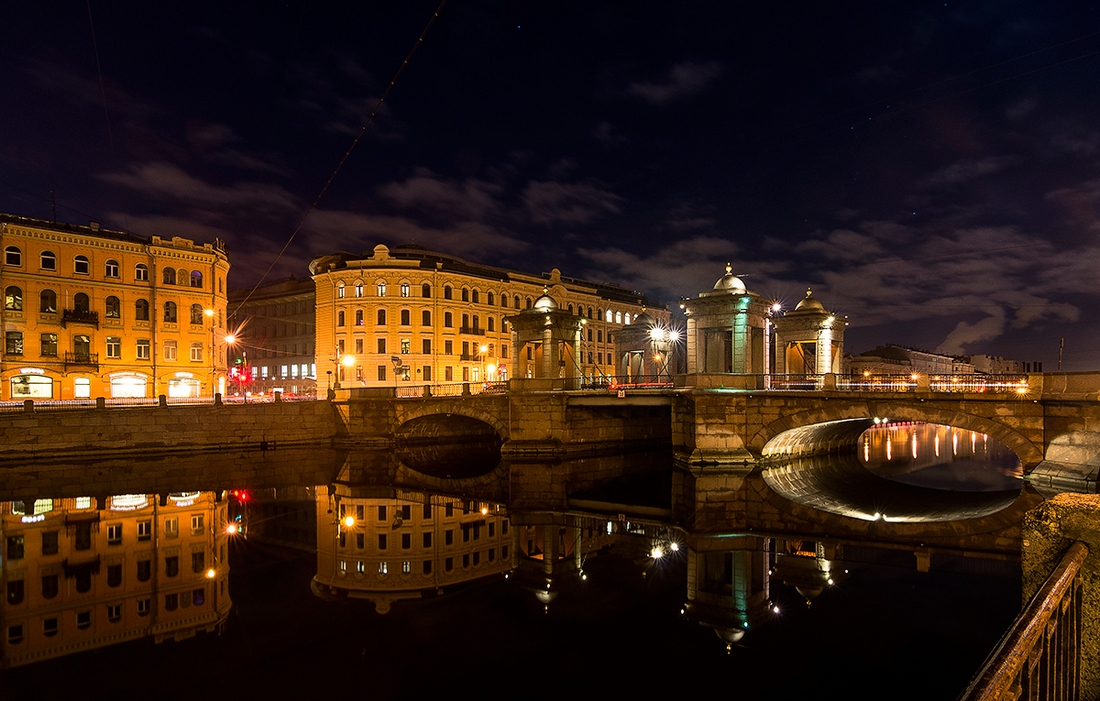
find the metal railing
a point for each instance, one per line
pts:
(1040, 656)
(451, 389)
(978, 383)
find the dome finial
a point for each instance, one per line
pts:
(809, 292)
(729, 268)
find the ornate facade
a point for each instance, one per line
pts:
(410, 314)
(90, 312)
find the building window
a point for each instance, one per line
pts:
(406, 567)
(448, 374)
(358, 351)
(465, 295)
(427, 540)
(143, 349)
(340, 290)
(114, 534)
(448, 564)
(114, 347)
(427, 567)
(141, 272)
(170, 312)
(49, 542)
(474, 297)
(51, 586)
(447, 294)
(13, 299)
(196, 352)
(113, 308)
(197, 527)
(340, 318)
(381, 373)
(13, 342)
(82, 536)
(489, 298)
(15, 591)
(426, 347)
(503, 350)
(15, 634)
(196, 314)
(425, 318)
(170, 350)
(381, 541)
(383, 568)
(49, 627)
(114, 575)
(169, 276)
(448, 320)
(196, 279)
(171, 566)
(141, 310)
(114, 613)
(47, 302)
(171, 602)
(110, 268)
(81, 265)
(406, 317)
(144, 570)
(13, 256)
(490, 323)
(144, 530)
(198, 562)
(83, 619)
(381, 287)
(425, 290)
(448, 347)
(358, 317)
(406, 541)
(382, 345)
(381, 317)
(405, 290)
(48, 260)
(448, 537)
(143, 607)
(382, 513)
(405, 346)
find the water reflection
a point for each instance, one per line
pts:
(940, 457)
(82, 573)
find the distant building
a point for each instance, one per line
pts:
(894, 360)
(88, 572)
(90, 312)
(275, 330)
(996, 365)
(414, 315)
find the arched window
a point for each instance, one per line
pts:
(618, 318)
(358, 317)
(13, 256)
(447, 293)
(570, 308)
(340, 291)
(181, 277)
(590, 312)
(340, 318)
(358, 289)
(491, 322)
(170, 312)
(196, 278)
(381, 317)
(465, 294)
(47, 302)
(196, 314)
(113, 307)
(141, 310)
(489, 298)
(516, 301)
(141, 272)
(169, 276)
(475, 296)
(13, 299)
(406, 290)
(81, 266)
(465, 322)
(81, 303)
(528, 302)
(381, 287)
(425, 290)
(504, 300)
(48, 260)
(110, 268)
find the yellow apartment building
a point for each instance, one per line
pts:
(90, 312)
(84, 573)
(415, 315)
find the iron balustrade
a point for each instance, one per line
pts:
(83, 359)
(1040, 656)
(79, 316)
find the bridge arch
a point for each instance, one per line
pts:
(493, 412)
(823, 428)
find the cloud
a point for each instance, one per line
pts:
(573, 203)
(969, 169)
(681, 81)
(169, 182)
(462, 200)
(965, 333)
(1080, 204)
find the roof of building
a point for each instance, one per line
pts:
(809, 303)
(91, 229)
(730, 282)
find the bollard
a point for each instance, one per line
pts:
(162, 400)
(100, 403)
(278, 396)
(427, 390)
(465, 389)
(217, 399)
(28, 406)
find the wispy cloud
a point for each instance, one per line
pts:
(548, 202)
(681, 81)
(169, 182)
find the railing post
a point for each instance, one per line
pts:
(465, 389)
(28, 406)
(162, 400)
(278, 396)
(217, 399)
(427, 390)
(100, 403)
(829, 381)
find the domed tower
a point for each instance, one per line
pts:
(809, 339)
(551, 335)
(725, 331)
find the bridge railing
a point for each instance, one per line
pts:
(979, 383)
(1040, 655)
(877, 383)
(450, 389)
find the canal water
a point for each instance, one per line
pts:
(325, 596)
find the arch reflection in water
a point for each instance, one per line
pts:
(940, 457)
(85, 572)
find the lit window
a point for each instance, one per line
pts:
(170, 350)
(143, 349)
(405, 290)
(340, 291)
(114, 346)
(114, 534)
(381, 289)
(196, 352)
(383, 568)
(406, 567)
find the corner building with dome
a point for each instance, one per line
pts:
(410, 314)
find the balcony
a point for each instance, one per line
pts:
(471, 330)
(79, 316)
(86, 360)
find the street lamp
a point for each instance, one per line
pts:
(209, 313)
(481, 350)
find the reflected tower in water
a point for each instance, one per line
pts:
(88, 572)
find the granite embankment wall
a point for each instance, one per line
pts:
(93, 432)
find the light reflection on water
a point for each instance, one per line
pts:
(940, 457)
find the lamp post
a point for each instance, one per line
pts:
(481, 350)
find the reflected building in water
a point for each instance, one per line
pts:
(88, 572)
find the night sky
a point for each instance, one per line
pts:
(930, 169)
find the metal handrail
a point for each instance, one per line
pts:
(1031, 661)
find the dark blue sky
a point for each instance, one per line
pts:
(930, 169)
